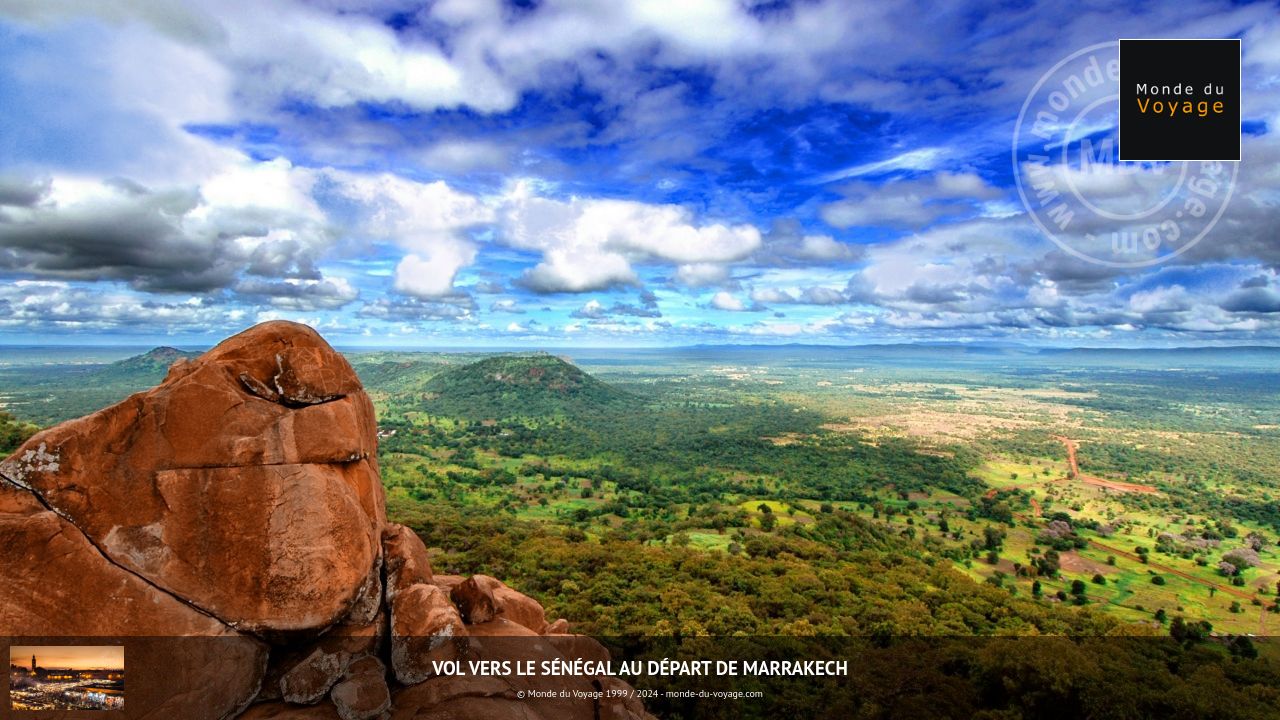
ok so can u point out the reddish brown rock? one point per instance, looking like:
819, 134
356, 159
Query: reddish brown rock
407, 560
310, 679
245, 484
367, 608
481, 598
559, 627
425, 627
447, 582
500, 627
363, 692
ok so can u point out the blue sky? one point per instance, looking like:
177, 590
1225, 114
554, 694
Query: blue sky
592, 173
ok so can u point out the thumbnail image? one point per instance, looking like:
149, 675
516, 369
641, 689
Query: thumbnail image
66, 677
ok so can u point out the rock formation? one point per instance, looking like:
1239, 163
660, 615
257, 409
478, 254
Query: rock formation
228, 527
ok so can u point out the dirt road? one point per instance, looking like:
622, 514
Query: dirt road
1097, 481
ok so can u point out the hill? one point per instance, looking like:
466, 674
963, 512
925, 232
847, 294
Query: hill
519, 385
143, 370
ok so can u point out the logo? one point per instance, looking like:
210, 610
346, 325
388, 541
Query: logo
1074, 186
1180, 100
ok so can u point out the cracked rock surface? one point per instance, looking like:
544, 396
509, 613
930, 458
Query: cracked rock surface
229, 528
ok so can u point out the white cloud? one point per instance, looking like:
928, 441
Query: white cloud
431, 274
771, 296
505, 305
591, 309
464, 156
727, 301
909, 203
589, 244
696, 275
1173, 298
564, 270
37, 305
427, 219
919, 159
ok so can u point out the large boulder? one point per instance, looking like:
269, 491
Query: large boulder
425, 628
245, 484
407, 560
481, 598
363, 693
310, 679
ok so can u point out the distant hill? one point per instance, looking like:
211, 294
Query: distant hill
511, 385
143, 370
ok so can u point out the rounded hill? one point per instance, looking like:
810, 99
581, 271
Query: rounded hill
519, 385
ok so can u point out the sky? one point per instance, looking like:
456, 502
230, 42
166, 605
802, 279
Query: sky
590, 173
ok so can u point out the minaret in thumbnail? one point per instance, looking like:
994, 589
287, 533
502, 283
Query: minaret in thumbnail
33, 664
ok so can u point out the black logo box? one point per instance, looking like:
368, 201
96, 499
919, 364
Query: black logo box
1180, 65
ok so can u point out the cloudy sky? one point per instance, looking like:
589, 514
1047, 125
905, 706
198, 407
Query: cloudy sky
589, 172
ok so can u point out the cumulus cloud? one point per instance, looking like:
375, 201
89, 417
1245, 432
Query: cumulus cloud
299, 294
909, 203
54, 306
787, 245
595, 310
772, 296
724, 300
506, 305
589, 244
431, 274
812, 295
254, 218
430, 220
412, 309
697, 275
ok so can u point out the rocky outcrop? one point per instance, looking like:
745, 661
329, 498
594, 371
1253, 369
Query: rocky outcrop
228, 526
263, 511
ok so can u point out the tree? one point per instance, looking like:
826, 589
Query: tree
992, 538
1241, 646
1157, 580
1098, 579
768, 521
1189, 633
